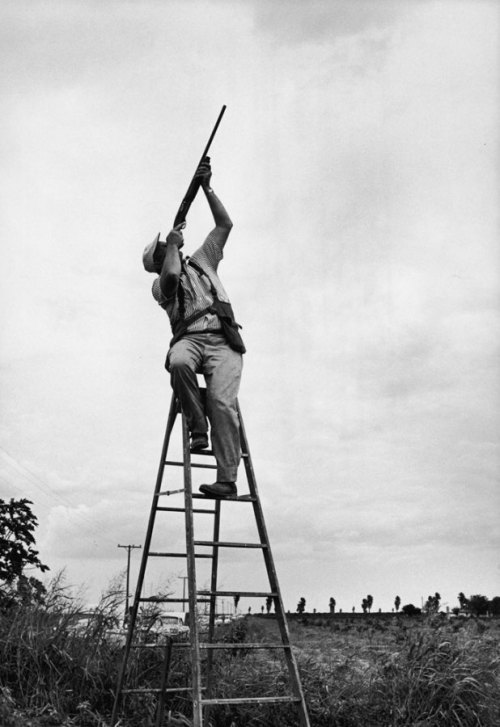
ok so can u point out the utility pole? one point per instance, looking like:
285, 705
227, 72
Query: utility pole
184, 579
128, 548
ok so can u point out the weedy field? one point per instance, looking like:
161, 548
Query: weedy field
370, 671
387, 672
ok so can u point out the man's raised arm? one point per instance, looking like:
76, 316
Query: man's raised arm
220, 215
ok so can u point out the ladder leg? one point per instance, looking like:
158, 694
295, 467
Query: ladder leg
272, 575
174, 408
160, 709
213, 588
191, 572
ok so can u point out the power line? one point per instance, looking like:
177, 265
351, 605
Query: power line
36, 480
49, 492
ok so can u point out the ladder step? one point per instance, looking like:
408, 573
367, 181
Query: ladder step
183, 509
209, 453
180, 555
152, 690
193, 464
159, 599
244, 645
224, 544
155, 646
234, 498
205, 645
243, 594
250, 700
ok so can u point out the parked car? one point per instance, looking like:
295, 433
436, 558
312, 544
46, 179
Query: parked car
172, 624
167, 624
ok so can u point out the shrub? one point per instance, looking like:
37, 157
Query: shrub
411, 610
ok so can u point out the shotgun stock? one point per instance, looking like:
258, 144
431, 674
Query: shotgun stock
194, 185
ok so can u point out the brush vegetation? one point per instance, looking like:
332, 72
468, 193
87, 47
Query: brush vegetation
58, 666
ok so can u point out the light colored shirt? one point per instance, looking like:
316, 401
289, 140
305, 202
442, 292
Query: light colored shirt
197, 295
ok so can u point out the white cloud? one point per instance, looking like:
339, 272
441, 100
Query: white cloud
293, 22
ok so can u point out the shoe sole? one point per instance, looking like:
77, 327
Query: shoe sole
200, 446
217, 496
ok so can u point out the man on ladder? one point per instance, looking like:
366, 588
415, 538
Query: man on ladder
205, 339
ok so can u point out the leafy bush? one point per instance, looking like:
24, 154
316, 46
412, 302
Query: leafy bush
411, 610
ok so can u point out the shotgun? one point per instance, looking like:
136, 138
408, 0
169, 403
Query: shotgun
194, 185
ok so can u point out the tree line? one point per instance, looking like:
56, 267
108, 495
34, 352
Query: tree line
475, 605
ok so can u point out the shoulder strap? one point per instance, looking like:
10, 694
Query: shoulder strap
185, 322
202, 273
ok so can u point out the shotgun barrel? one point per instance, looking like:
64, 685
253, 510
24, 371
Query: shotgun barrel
194, 185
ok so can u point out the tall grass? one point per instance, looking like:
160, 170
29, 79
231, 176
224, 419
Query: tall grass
425, 674
57, 669
55, 663
443, 678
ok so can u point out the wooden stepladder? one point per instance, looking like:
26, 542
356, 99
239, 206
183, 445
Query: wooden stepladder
202, 690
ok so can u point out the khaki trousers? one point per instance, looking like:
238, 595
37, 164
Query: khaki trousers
210, 355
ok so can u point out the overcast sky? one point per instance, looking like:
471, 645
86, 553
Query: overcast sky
358, 159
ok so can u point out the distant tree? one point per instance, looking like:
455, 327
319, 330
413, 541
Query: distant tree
432, 603
236, 600
463, 601
411, 610
478, 605
494, 606
269, 603
397, 603
366, 604
332, 604
301, 606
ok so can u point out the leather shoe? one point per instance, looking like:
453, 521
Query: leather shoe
219, 490
198, 441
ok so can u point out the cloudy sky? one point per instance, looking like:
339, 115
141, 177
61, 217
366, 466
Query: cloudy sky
358, 158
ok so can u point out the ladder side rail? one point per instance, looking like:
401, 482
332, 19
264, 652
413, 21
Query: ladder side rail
160, 707
212, 613
145, 552
271, 570
191, 572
